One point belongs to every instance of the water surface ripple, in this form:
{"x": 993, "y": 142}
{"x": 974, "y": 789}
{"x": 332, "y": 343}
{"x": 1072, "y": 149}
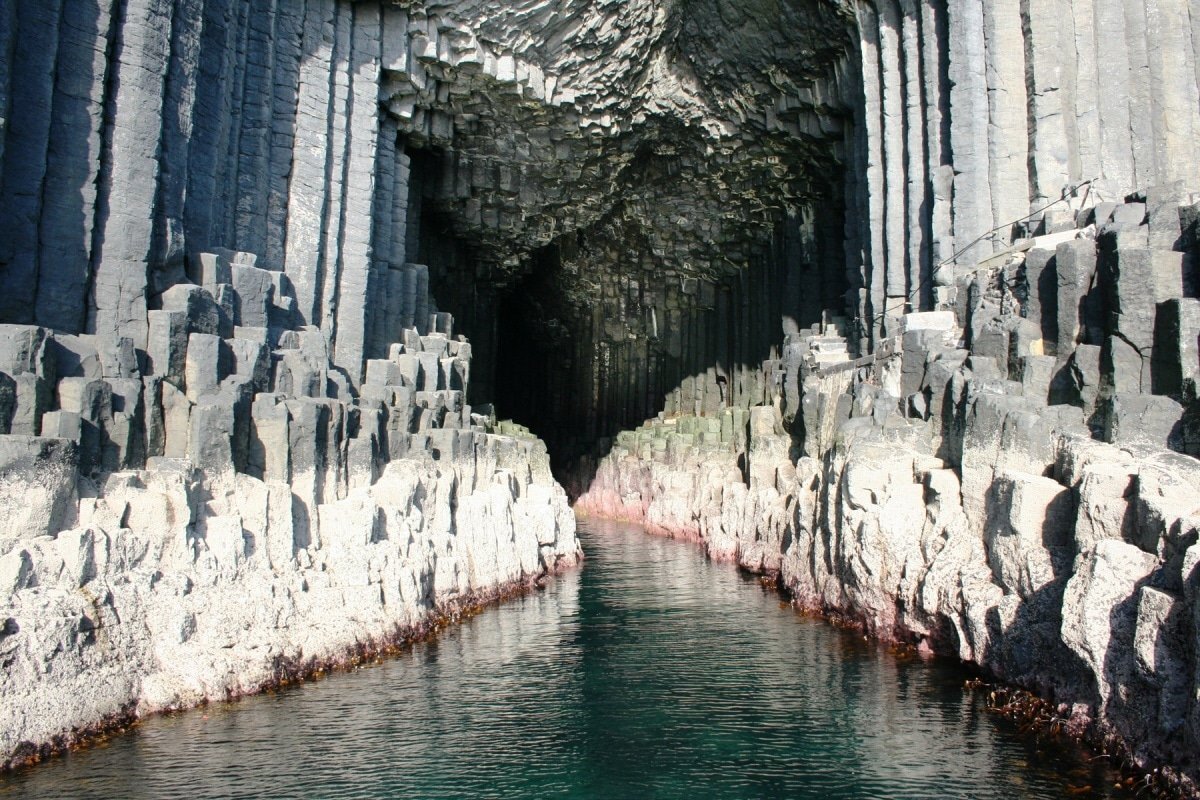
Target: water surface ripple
{"x": 651, "y": 673}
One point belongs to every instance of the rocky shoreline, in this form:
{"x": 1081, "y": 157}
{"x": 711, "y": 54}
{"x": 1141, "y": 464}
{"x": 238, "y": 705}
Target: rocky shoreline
{"x": 236, "y": 510}
{"x": 963, "y": 492}
{"x": 904, "y": 597}
{"x": 104, "y": 627}
{"x": 445, "y": 614}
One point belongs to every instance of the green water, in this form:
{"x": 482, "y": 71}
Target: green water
{"x": 649, "y": 673}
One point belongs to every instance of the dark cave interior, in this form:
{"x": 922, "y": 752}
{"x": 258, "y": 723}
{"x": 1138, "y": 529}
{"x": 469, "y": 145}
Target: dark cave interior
{"x": 591, "y": 334}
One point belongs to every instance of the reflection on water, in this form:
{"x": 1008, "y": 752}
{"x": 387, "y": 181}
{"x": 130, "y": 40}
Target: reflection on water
{"x": 651, "y": 673}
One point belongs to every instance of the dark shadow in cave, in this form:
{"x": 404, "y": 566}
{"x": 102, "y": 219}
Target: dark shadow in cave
{"x": 577, "y": 371}
{"x": 596, "y": 332}
{"x": 535, "y": 358}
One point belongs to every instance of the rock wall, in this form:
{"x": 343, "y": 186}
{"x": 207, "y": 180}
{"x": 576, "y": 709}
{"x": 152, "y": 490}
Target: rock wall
{"x": 239, "y": 515}
{"x": 856, "y": 157}
{"x": 152, "y": 131}
{"x": 981, "y": 121}
{"x": 965, "y": 491}
{"x": 167, "y": 587}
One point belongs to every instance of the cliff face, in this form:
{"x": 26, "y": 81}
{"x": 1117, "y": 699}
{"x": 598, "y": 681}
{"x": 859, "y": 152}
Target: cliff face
{"x": 976, "y": 114}
{"x": 966, "y": 492}
{"x": 237, "y": 240}
{"x": 624, "y": 182}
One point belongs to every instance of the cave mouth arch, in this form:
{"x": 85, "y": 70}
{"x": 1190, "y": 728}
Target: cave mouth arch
{"x": 646, "y": 247}
{"x": 669, "y": 301}
{"x": 585, "y": 349}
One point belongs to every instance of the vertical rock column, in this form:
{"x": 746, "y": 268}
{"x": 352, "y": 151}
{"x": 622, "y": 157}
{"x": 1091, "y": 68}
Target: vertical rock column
{"x": 1007, "y": 130}
{"x": 253, "y": 155}
{"x": 287, "y": 41}
{"x": 72, "y": 161}
{"x": 1116, "y": 152}
{"x": 1080, "y": 83}
{"x": 1052, "y": 134}
{"x": 855, "y": 237}
{"x": 225, "y": 197}
{"x": 31, "y": 77}
{"x": 355, "y": 287}
{"x": 972, "y": 205}
{"x": 178, "y": 123}
{"x": 211, "y": 115}
{"x": 934, "y": 51}
{"x": 917, "y": 218}
{"x": 852, "y": 235}
{"x": 1135, "y": 87}
{"x": 393, "y": 301}
{"x": 383, "y": 294}
{"x": 304, "y": 253}
{"x": 120, "y": 258}
{"x": 395, "y": 57}
{"x": 338, "y": 133}
{"x": 876, "y": 258}
{"x": 1175, "y": 104}
{"x": 895, "y": 197}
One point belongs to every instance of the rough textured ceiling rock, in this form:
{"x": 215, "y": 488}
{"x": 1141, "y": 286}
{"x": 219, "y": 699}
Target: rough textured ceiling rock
{"x": 677, "y": 130}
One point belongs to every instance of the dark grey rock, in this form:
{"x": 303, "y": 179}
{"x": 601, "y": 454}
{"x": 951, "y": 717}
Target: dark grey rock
{"x": 8, "y": 402}
{"x": 1144, "y": 419}
{"x": 1075, "y": 265}
{"x": 197, "y": 305}
{"x": 255, "y": 295}
{"x": 1175, "y": 363}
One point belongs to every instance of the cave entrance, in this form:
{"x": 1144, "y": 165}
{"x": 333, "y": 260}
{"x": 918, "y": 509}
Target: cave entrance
{"x": 608, "y": 326}
{"x": 543, "y": 376}
{"x": 586, "y": 347}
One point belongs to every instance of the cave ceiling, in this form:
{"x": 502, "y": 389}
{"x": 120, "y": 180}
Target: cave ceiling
{"x": 638, "y": 135}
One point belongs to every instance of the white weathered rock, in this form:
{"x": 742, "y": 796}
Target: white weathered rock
{"x": 1099, "y": 617}
{"x": 1058, "y": 562}
{"x": 216, "y": 595}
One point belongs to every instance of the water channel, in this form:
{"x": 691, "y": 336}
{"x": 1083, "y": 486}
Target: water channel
{"x": 650, "y": 673}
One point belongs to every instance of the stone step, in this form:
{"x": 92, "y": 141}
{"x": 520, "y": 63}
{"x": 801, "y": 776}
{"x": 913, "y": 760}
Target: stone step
{"x": 828, "y": 346}
{"x": 829, "y": 358}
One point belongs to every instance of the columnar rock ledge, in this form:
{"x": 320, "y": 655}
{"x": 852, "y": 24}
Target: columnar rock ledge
{"x": 983, "y": 486}
{"x": 284, "y": 523}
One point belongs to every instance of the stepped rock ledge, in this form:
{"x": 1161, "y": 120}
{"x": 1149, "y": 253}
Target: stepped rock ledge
{"x": 895, "y": 300}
